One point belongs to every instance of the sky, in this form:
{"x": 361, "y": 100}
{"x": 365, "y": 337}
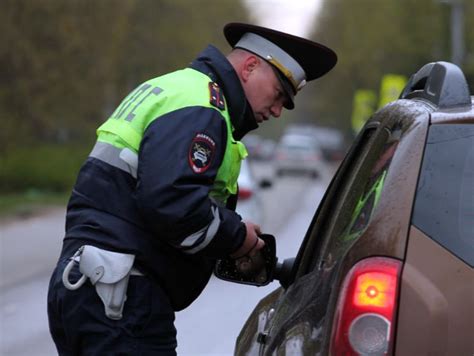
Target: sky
{"x": 292, "y": 16}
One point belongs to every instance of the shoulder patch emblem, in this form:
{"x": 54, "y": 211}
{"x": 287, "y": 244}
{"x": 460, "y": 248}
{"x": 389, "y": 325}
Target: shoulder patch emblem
{"x": 201, "y": 152}
{"x": 215, "y": 96}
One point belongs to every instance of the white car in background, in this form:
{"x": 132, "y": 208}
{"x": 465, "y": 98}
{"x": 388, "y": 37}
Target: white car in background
{"x": 330, "y": 140}
{"x": 301, "y": 154}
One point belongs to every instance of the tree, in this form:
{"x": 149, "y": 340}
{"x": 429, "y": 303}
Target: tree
{"x": 66, "y": 64}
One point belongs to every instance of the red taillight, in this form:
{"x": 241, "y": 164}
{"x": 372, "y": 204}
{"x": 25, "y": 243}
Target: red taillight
{"x": 245, "y": 193}
{"x": 363, "y": 322}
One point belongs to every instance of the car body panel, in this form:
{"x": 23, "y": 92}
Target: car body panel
{"x": 441, "y": 286}
{"x": 257, "y": 325}
{"x": 301, "y": 311}
{"x": 459, "y": 115}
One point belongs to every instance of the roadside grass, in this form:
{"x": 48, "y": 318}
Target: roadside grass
{"x": 38, "y": 176}
{"x": 44, "y": 168}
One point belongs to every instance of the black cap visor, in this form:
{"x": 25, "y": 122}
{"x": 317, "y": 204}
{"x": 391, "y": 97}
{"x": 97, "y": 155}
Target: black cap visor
{"x": 287, "y": 89}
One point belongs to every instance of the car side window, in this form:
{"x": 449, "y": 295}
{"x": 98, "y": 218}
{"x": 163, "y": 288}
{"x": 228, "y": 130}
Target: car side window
{"x": 444, "y": 205}
{"x": 366, "y": 192}
{"x": 350, "y": 200}
{"x": 369, "y": 199}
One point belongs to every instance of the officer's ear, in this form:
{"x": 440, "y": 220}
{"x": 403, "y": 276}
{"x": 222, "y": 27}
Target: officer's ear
{"x": 250, "y": 64}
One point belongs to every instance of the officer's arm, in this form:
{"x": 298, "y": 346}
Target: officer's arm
{"x": 179, "y": 158}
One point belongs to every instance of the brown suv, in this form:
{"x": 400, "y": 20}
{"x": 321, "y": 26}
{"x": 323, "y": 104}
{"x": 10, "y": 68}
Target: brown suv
{"x": 386, "y": 266}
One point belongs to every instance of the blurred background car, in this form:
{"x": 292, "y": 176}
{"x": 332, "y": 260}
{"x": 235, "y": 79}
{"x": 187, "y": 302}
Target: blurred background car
{"x": 267, "y": 150}
{"x": 300, "y": 154}
{"x": 249, "y": 203}
{"x": 330, "y": 140}
{"x": 253, "y": 144}
{"x": 259, "y": 148}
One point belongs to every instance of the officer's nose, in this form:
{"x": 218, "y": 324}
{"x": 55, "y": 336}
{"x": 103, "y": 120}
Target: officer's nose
{"x": 276, "y": 109}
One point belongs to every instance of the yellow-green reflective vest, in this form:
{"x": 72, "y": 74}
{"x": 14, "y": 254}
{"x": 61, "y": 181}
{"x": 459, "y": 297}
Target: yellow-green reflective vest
{"x": 153, "y": 99}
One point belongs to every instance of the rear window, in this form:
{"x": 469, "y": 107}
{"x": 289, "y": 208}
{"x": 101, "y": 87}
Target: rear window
{"x": 444, "y": 206}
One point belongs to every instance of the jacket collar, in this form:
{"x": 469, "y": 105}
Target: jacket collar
{"x": 215, "y": 65}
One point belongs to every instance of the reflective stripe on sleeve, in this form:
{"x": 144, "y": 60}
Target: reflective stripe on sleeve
{"x": 209, "y": 232}
{"x": 122, "y": 158}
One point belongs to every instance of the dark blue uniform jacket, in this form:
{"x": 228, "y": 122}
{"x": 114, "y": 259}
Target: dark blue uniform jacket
{"x": 151, "y": 215}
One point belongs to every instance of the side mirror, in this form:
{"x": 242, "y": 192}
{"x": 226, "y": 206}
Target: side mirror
{"x": 283, "y": 272}
{"x": 227, "y": 269}
{"x": 271, "y": 270}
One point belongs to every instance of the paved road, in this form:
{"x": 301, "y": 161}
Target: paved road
{"x": 29, "y": 249}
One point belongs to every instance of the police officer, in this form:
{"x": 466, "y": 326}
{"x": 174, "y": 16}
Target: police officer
{"x": 153, "y": 205}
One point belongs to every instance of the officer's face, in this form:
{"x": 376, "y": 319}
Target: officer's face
{"x": 263, "y": 90}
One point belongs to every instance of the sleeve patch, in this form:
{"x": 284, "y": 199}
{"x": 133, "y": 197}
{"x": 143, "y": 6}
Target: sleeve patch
{"x": 215, "y": 96}
{"x": 201, "y": 152}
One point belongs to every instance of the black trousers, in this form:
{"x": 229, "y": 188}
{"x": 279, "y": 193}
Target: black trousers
{"x": 78, "y": 324}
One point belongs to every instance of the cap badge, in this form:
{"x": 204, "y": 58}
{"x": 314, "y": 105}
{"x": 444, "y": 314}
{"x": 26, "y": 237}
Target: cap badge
{"x": 286, "y": 72}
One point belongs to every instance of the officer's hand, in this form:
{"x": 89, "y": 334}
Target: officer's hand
{"x": 252, "y": 242}
{"x": 251, "y": 265}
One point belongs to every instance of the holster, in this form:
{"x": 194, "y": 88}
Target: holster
{"x": 108, "y": 271}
